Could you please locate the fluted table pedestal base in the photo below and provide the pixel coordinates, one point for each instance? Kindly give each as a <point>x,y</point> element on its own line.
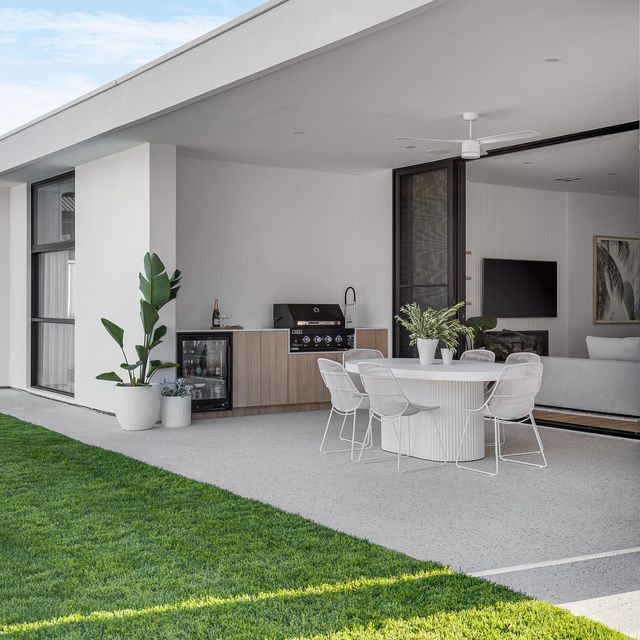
<point>450,397</point>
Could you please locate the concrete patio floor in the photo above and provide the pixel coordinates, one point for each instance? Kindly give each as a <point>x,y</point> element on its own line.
<point>568,534</point>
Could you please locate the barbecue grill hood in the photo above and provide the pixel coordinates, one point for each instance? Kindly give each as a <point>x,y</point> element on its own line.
<point>290,316</point>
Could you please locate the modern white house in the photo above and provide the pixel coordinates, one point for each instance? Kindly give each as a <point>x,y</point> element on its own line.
<point>264,161</point>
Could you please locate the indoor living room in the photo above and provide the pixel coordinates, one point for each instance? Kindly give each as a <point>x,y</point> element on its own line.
<point>565,219</point>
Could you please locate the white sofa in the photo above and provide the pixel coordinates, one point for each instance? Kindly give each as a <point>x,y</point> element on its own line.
<point>598,383</point>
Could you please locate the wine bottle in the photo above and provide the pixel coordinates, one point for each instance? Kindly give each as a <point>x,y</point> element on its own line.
<point>215,317</point>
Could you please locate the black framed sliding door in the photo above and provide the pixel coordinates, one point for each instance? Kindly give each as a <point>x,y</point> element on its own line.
<point>52,282</point>
<point>429,240</point>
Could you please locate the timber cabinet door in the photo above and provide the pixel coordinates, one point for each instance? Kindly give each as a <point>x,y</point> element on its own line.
<point>373,339</point>
<point>305,383</point>
<point>273,368</point>
<point>247,364</point>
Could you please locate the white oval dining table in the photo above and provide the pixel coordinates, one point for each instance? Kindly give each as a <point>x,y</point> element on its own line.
<point>451,387</point>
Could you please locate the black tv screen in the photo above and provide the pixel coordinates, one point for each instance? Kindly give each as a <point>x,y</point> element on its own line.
<point>520,288</point>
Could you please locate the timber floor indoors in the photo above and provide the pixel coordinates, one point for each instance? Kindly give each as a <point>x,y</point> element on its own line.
<point>599,423</point>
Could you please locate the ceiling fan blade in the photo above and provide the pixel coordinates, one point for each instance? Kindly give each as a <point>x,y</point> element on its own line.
<point>430,140</point>
<point>509,137</point>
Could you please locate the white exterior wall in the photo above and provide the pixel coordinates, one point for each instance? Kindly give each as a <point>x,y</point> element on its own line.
<point>590,215</point>
<point>19,287</point>
<point>5,213</point>
<point>252,236</point>
<point>117,221</point>
<point>532,224</point>
<point>374,241</point>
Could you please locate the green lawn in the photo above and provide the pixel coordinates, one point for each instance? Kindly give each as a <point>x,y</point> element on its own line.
<point>96,545</point>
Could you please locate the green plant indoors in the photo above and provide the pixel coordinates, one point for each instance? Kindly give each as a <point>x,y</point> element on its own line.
<point>432,324</point>
<point>496,342</point>
<point>157,290</point>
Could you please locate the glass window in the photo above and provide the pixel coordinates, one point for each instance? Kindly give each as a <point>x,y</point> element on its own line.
<point>55,361</point>
<point>53,272</point>
<point>55,212</point>
<point>55,278</point>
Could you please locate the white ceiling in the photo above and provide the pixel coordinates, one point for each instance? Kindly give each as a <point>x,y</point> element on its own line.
<point>607,165</point>
<point>415,78</point>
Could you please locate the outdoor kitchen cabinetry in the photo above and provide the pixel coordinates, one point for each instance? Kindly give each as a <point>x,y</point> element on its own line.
<point>266,377</point>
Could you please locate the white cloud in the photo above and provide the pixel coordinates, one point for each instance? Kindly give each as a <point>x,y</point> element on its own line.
<point>101,38</point>
<point>20,103</point>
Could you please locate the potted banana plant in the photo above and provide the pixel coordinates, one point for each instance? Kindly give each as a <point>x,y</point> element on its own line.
<point>137,400</point>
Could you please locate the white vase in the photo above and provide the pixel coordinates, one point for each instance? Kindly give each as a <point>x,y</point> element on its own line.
<point>427,350</point>
<point>447,355</point>
<point>137,408</point>
<point>176,411</point>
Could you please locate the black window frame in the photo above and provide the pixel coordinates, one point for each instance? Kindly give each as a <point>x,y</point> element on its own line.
<point>456,229</point>
<point>36,251</point>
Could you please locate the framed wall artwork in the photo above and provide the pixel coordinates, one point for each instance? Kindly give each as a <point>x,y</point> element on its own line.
<point>616,280</point>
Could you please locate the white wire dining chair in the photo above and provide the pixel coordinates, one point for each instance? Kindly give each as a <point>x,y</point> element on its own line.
<point>519,357</point>
<point>387,400</point>
<point>478,355</point>
<point>346,399</point>
<point>511,401</point>
<point>352,355</point>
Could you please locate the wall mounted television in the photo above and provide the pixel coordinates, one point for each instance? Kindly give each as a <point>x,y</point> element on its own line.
<point>519,288</point>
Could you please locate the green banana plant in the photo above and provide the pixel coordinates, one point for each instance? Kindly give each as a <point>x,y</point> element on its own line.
<point>157,289</point>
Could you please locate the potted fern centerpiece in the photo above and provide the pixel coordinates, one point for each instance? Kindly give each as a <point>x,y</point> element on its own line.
<point>428,327</point>
<point>137,400</point>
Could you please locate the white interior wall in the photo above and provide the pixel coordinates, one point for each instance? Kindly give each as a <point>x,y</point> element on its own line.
<point>115,226</point>
<point>590,215</point>
<point>5,213</point>
<point>19,279</point>
<point>254,235</point>
<point>520,223</point>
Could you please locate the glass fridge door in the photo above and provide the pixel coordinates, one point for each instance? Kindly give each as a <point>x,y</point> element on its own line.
<point>205,365</point>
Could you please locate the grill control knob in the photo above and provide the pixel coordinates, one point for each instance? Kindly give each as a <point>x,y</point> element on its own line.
<point>306,340</point>
<point>338,339</point>
<point>328,339</point>
<point>317,339</point>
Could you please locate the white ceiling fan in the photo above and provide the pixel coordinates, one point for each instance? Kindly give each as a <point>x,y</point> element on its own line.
<point>471,148</point>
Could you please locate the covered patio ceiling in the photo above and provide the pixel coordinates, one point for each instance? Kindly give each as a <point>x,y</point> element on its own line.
<point>341,110</point>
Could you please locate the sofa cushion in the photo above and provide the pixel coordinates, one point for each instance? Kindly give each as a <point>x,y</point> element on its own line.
<point>613,348</point>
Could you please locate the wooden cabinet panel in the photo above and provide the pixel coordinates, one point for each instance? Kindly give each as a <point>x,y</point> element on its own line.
<point>273,367</point>
<point>305,382</point>
<point>247,358</point>
<point>372,339</point>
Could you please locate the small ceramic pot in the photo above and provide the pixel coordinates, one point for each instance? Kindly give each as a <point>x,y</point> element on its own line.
<point>447,355</point>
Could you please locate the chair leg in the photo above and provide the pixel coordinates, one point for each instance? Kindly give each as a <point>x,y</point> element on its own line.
<point>370,440</point>
<point>496,451</point>
<point>539,451</point>
<point>435,426</point>
<point>344,419</point>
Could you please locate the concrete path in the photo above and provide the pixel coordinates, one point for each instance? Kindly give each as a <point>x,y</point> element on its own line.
<point>568,534</point>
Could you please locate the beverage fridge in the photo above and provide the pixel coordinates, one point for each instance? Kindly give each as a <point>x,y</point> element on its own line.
<point>204,360</point>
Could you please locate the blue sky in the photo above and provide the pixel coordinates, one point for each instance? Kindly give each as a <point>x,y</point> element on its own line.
<point>52,52</point>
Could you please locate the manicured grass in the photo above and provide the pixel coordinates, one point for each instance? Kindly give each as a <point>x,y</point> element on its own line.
<point>96,545</point>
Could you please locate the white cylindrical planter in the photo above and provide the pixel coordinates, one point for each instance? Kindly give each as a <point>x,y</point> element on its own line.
<point>427,350</point>
<point>176,411</point>
<point>447,355</point>
<point>137,408</point>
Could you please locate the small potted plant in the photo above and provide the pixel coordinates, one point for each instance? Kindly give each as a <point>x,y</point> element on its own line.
<point>176,403</point>
<point>137,401</point>
<point>428,327</point>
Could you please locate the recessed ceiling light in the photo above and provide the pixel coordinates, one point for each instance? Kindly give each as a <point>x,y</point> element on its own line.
<point>552,59</point>
<point>298,133</point>
<point>528,162</point>
<point>410,146</point>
